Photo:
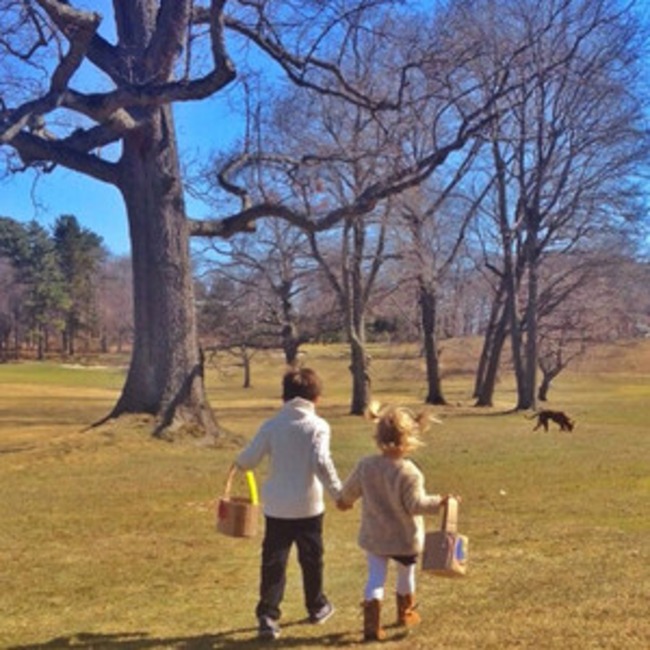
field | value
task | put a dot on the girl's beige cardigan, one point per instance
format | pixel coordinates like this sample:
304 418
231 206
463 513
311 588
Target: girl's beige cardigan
393 500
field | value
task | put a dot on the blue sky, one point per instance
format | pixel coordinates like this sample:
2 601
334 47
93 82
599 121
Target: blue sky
97 206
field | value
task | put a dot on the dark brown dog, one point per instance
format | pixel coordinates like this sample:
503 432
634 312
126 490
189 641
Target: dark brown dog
560 418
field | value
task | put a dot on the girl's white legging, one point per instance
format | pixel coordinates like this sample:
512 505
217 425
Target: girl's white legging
377 569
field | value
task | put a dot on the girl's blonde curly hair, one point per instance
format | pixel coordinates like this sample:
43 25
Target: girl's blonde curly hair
398 428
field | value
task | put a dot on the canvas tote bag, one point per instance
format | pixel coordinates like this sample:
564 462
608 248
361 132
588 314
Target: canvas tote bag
445 550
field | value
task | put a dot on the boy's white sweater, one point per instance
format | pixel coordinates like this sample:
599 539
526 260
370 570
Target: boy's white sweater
297 442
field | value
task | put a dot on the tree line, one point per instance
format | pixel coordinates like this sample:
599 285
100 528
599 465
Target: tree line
64 295
61 292
428 143
270 292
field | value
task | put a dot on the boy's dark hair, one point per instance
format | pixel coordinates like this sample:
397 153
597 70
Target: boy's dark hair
301 382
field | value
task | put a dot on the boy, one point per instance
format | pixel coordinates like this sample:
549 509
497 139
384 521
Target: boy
297 442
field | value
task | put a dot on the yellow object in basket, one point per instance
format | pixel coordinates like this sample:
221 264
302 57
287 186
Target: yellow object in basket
252 487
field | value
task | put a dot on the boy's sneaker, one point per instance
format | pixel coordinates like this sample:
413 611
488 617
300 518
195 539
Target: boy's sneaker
268 628
320 616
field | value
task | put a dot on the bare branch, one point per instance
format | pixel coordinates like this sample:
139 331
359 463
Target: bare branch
69 20
243 221
80 28
260 31
36 149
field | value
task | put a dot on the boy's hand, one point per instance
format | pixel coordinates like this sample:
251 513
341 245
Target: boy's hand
342 505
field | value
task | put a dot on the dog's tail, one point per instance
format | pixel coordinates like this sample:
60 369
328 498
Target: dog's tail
532 416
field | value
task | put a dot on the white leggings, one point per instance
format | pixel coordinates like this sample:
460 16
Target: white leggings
377 570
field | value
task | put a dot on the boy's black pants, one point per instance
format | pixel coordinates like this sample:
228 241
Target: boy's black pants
279 536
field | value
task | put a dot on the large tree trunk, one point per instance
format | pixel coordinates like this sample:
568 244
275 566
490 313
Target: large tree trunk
166 373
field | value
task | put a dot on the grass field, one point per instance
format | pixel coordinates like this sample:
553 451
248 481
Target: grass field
107 537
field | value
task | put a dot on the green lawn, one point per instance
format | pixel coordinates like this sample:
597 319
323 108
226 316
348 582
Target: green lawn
108 541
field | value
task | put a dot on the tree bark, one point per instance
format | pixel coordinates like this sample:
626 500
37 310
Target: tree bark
489 339
493 348
356 324
428 315
527 393
290 343
515 331
360 376
290 333
545 385
246 365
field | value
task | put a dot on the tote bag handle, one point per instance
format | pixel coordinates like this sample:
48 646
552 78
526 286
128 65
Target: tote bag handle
450 516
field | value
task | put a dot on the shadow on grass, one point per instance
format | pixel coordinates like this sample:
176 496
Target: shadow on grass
217 641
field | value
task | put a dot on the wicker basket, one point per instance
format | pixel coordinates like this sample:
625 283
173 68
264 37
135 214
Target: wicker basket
238 516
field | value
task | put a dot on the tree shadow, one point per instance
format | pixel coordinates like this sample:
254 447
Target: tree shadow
219 641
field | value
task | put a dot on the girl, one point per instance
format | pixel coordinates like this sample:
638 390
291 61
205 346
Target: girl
393 499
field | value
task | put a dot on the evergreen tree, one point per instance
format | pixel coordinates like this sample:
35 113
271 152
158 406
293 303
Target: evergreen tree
79 253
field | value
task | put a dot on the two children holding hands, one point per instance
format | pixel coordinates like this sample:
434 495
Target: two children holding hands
390 486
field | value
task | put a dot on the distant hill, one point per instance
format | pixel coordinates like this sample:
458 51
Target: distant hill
620 357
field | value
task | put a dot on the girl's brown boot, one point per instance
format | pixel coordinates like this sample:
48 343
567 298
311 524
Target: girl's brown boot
372 630
406 614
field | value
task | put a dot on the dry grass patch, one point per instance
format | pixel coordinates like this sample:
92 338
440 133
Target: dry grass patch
107 538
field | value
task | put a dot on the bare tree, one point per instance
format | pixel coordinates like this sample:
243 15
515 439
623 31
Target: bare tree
232 318
436 215
593 297
274 266
566 147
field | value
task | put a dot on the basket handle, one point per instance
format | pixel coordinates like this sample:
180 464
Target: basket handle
250 481
450 515
229 479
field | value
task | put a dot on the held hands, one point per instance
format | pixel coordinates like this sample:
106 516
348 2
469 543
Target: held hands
446 498
342 505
